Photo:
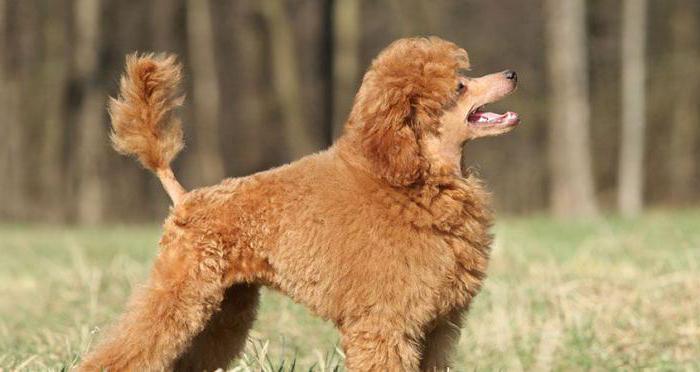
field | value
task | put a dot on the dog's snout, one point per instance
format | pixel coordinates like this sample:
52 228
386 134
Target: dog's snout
511 75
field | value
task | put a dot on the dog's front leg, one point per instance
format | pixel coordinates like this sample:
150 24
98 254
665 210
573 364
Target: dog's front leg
379 345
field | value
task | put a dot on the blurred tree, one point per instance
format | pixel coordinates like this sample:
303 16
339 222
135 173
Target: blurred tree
290 68
630 166
249 46
285 79
604 73
92 136
10 141
346 59
55 76
572 192
206 90
411 17
163 24
5 125
24 105
685 114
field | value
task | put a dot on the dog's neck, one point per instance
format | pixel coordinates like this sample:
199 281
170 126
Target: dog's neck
445 156
349 151
445 159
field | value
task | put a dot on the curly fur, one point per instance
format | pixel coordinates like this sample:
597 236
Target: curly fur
377 234
142 120
401 95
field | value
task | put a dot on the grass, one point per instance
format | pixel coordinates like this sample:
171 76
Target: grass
602 295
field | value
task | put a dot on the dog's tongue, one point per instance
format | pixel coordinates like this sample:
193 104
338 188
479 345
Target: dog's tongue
490 117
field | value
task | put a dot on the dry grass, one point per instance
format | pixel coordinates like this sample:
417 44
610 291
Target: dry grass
601 295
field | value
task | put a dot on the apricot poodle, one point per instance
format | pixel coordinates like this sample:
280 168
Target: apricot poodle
382 233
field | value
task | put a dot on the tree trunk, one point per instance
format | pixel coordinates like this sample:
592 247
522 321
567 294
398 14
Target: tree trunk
253 93
27 118
631 166
412 17
55 72
685 116
572 184
206 97
10 140
346 60
286 80
163 24
5 113
92 138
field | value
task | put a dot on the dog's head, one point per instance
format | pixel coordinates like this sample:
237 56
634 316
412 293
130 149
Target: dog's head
416 108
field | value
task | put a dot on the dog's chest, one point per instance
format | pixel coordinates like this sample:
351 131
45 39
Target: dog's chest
461 220
464 276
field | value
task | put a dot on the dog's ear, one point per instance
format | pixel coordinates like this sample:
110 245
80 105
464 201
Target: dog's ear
400 101
390 142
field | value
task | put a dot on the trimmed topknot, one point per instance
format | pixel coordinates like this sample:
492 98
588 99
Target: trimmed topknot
143 123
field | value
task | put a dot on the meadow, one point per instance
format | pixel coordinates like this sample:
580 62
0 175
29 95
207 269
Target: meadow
607 294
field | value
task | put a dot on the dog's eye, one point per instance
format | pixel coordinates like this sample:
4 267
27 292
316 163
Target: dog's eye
460 87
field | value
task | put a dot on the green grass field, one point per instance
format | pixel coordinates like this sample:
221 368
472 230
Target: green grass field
604 295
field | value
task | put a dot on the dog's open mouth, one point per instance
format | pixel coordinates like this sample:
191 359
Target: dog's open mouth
485 118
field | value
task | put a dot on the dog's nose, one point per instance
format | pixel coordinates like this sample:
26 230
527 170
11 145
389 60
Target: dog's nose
511 75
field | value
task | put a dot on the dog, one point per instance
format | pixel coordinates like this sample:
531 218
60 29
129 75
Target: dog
383 233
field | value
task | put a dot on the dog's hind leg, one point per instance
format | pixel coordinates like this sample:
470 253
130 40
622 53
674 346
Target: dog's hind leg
441 342
186 287
224 336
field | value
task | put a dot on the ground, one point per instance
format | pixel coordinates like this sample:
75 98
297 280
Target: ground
600 295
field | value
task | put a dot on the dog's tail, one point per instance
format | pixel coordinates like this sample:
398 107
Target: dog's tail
143 122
